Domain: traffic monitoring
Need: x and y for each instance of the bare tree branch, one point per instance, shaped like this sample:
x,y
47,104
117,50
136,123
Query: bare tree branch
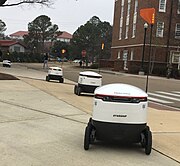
x,y
47,3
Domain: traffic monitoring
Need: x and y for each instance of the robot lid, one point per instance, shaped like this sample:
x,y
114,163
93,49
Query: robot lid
x,y
119,89
90,74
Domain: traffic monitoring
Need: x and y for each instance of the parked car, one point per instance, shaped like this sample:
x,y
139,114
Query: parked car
x,y
6,63
59,59
76,61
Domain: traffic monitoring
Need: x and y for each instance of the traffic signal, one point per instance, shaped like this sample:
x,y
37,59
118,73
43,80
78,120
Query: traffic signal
x,y
63,51
102,46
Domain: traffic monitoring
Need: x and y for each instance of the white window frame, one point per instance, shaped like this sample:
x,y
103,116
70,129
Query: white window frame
x,y
125,59
135,19
121,20
119,55
132,55
175,58
160,29
134,31
162,5
127,31
127,19
177,31
178,8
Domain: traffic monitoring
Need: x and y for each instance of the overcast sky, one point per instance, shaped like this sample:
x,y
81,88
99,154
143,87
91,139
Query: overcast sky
x,y
67,14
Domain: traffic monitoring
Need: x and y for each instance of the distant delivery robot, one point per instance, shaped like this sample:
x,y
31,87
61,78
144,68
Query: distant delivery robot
x,y
119,113
88,81
55,73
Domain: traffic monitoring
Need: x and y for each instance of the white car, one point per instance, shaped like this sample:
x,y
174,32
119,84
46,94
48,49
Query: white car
x,y
55,73
6,63
76,61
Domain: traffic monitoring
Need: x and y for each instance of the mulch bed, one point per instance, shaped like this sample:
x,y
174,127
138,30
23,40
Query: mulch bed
x,y
7,77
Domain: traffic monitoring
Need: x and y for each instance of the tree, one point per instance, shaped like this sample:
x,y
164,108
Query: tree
x,y
61,50
91,36
2,28
41,2
41,30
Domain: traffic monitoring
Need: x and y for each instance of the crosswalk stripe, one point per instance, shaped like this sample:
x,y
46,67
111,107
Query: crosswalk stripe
x,y
167,93
176,92
163,96
159,100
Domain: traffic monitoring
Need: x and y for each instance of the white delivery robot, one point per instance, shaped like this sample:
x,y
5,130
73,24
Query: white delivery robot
x,y
88,81
55,73
119,113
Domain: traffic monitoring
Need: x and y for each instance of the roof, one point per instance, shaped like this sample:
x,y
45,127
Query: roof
x,y
19,33
65,35
7,43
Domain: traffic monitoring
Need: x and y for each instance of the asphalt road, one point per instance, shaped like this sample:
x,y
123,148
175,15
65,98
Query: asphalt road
x,y
161,90
156,84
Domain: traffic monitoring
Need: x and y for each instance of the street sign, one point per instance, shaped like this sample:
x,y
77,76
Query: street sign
x,y
148,14
83,53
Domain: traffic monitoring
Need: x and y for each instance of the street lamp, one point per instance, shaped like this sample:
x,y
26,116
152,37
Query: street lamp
x,y
142,61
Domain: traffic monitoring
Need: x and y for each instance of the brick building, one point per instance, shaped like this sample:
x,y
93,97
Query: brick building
x,y
128,35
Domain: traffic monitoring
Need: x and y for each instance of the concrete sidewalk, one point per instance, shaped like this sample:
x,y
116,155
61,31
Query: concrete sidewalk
x,y
163,123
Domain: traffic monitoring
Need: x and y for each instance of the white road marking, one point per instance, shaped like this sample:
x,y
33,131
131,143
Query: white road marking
x,y
159,100
176,92
163,96
167,93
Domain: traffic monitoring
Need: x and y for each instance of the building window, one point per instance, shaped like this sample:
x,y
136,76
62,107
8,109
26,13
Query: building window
x,y
135,18
134,31
127,30
16,49
132,55
125,58
121,19
177,31
162,5
127,18
160,29
119,55
178,9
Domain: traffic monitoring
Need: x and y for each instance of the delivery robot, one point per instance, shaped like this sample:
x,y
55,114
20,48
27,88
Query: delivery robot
x,y
120,114
55,73
88,81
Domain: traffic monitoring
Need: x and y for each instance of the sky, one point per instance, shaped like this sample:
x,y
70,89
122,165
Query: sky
x,y
67,14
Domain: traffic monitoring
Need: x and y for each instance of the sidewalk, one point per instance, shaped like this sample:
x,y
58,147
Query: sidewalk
x,y
164,124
